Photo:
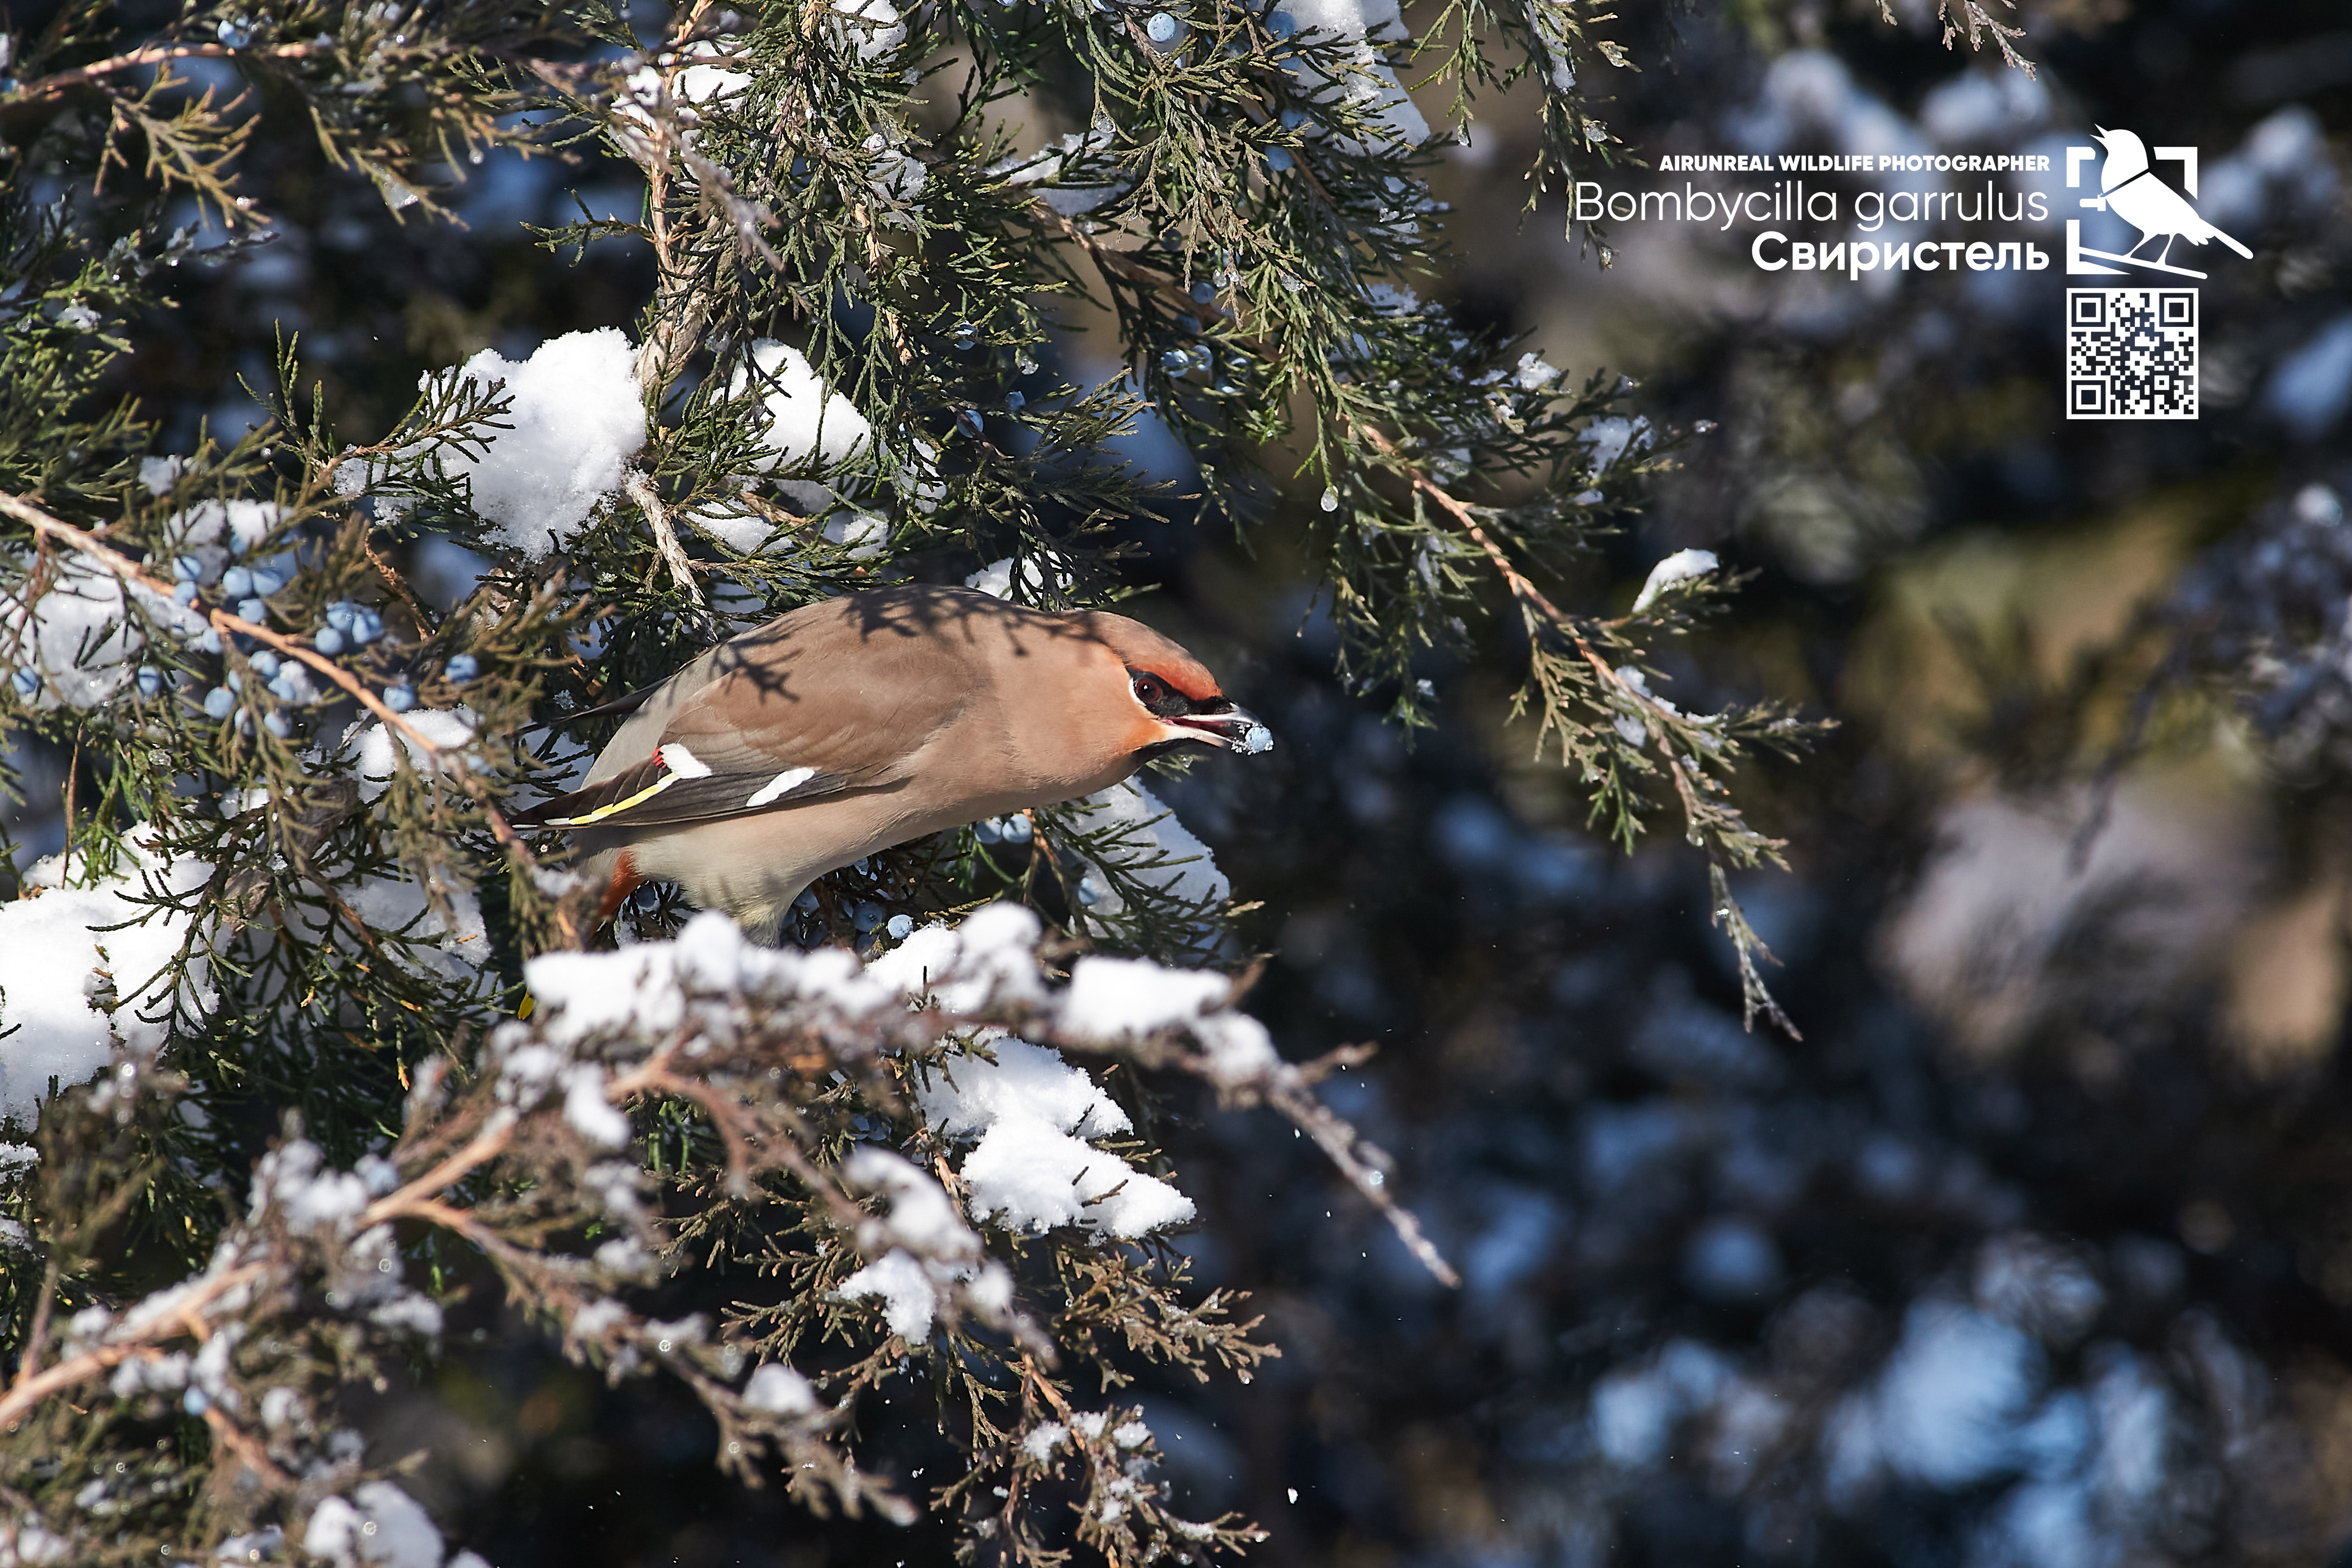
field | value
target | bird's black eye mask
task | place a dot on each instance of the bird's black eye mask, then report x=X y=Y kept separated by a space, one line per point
x=1214 y=721
x=1164 y=701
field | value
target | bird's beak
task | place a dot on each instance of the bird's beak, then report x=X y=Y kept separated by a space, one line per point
x=1236 y=728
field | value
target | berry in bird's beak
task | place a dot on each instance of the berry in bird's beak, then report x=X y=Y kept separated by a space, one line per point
x=1236 y=728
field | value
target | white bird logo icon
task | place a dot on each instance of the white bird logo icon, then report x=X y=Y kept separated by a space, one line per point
x=2129 y=188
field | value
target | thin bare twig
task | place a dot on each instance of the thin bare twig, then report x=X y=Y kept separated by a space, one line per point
x=640 y=490
x=153 y=55
x=411 y=1199
x=31 y=1387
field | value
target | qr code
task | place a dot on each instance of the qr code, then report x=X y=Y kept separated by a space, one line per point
x=2131 y=353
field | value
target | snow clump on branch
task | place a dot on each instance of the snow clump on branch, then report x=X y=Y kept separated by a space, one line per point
x=1072 y=175
x=703 y=81
x=78 y=635
x=872 y=27
x=968 y=1095
x=1613 y=437
x=1042 y=577
x=1674 y=570
x=369 y=748
x=381 y=1527
x=1370 y=84
x=85 y=964
x=804 y=419
x=577 y=418
x=712 y=999
x=923 y=1253
x=802 y=427
x=1031 y=1169
x=1151 y=847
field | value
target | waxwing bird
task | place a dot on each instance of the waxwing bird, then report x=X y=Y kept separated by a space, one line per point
x=855 y=723
x=2129 y=188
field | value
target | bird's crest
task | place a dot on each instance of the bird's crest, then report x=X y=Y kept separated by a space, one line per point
x=1141 y=649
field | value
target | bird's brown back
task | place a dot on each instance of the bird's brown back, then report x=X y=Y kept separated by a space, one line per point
x=860 y=684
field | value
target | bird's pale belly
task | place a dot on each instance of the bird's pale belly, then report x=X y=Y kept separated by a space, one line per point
x=754 y=866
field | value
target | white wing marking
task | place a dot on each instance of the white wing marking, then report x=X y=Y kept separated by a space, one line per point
x=782 y=784
x=682 y=763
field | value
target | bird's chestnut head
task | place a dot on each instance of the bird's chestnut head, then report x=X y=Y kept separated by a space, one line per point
x=1180 y=702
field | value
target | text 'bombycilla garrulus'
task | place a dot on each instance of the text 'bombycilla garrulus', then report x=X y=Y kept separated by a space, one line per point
x=855 y=723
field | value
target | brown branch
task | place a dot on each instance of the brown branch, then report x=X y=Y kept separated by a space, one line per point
x=460 y=1222
x=1686 y=788
x=250 y=1453
x=410 y=1199
x=1513 y=578
x=640 y=490
x=129 y=571
x=31 y=1387
x=1523 y=589
x=393 y=581
x=648 y=1075
x=1336 y=1139
x=153 y=55
x=726 y=1116
x=1111 y=259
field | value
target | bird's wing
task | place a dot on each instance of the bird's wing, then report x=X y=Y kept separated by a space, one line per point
x=673 y=786
x=844 y=696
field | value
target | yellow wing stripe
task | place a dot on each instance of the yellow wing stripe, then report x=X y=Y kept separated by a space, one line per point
x=603 y=812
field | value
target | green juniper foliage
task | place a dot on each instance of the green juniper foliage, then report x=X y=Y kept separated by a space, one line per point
x=290 y=916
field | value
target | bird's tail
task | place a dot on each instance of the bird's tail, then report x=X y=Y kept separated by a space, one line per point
x=2232 y=244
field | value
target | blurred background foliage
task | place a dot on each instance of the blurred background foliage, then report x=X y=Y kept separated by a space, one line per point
x=2037 y=1248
